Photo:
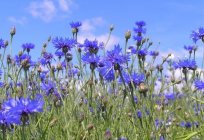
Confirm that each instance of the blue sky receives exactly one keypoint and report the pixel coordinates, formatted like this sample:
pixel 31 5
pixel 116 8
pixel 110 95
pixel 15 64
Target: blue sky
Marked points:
pixel 168 22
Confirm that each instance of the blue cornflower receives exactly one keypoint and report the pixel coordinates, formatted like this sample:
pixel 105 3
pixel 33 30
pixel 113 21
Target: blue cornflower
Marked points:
pixel 63 44
pixel 188 125
pixel 116 57
pixel 198 34
pixel 122 138
pixel 136 78
pixel 46 59
pixel 190 48
pixel 92 46
pixel 2 84
pixel 142 52
pixel 140 23
pixel 137 38
pixel 24 60
pixel 7 118
pixel 185 63
pixel 28 46
pixel 75 25
pixel 140 30
pixel 135 99
pixel 43 75
pixel 107 71
pixel 20 58
pixel 90 58
pixel 24 106
pixel 2 44
pixel 182 124
pixel 154 53
pixel 139 114
pixel 199 84
pixel 170 96
pixel 161 138
pixel 73 72
pixel 132 49
pixel 50 88
pixel 59 54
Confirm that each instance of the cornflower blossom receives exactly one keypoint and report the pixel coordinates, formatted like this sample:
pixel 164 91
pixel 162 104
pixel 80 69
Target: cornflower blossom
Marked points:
pixel 28 46
pixel 64 44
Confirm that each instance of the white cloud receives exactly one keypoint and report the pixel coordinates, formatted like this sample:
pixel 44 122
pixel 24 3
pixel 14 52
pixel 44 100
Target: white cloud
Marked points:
pixel 15 20
pixel 87 32
pixel 64 5
pixel 47 10
pixel 44 10
pixel 89 25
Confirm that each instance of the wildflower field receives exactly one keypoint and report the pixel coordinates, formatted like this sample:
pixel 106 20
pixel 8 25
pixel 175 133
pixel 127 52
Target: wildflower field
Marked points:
pixel 82 91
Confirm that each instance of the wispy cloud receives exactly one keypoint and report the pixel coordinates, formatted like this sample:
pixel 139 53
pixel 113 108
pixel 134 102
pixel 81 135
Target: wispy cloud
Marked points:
pixel 47 10
pixel 88 28
pixel 64 5
pixel 89 25
pixel 44 10
pixel 14 20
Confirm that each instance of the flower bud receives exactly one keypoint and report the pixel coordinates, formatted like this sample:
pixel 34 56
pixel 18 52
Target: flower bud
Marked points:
pixel 39 69
pixel 111 27
pixel 44 45
pixel 13 31
pixel 128 35
pixel 108 134
pixel 143 88
pixel 90 126
pixel 49 38
pixel 6 43
pixel 59 66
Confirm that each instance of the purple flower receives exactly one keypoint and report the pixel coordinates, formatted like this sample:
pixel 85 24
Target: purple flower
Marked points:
pixel 50 88
pixel 59 54
pixel 142 52
pixel 75 25
pixel 90 58
pixel 134 77
pixel 122 138
pixel 72 72
pixel 28 46
pixel 154 53
pixel 92 46
pixel 7 118
pixel 132 49
pixel 188 125
pixel 199 84
pixel 63 44
pixel 170 96
pixel 190 48
pixel 137 38
pixel 107 71
pixel 139 114
pixel 185 63
pixel 24 60
pixel 116 57
pixel 47 58
pixel 135 99
pixel 24 106
pixel 198 34
pixel 140 30
pixel 2 44
pixel 140 23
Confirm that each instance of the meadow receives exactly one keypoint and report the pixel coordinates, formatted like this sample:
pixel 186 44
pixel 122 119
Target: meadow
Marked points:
pixel 82 91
